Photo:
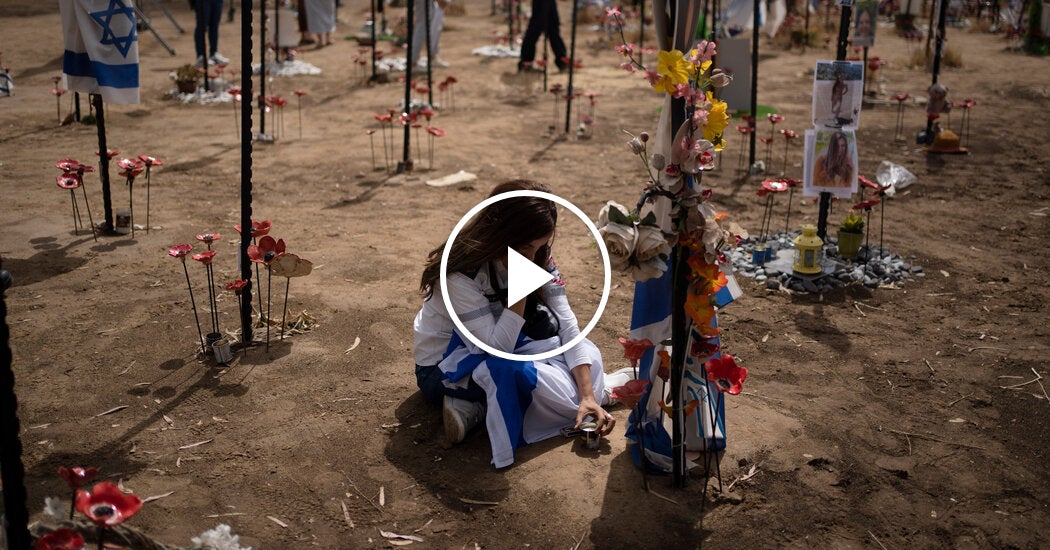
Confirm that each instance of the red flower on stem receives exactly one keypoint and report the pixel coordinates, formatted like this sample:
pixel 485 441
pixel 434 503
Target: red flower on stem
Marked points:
pixel 61 539
pixel 436 132
pixel 237 285
pixel 299 93
pixel 150 161
pixel 630 393
pixel 206 257
pixel 180 251
pixel 69 180
pixel 901 96
pixel 745 129
pixel 774 118
pixel 868 183
pixel 70 165
pixel 109 153
pixel 77 476
pixel 106 505
pixel 726 374
pixel 703 348
pixel 634 349
pixel 773 186
pixel 208 238
pixel 259 229
pixel 788 134
pixel 866 205
pixel 267 249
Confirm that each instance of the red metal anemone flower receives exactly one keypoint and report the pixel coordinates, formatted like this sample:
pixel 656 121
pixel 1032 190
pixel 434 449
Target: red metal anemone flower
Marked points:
pixel 237 285
pixel 745 129
pixel 61 539
pixel 774 118
pixel 634 349
pixel 180 251
pixel 868 183
pixel 69 165
pixel 150 161
pixel 436 132
pixel 704 348
pixel 259 229
pixel 630 393
pixel 726 374
pixel 106 505
pixel 76 477
pixel 865 205
pixel 206 256
pixel 299 93
pixel 208 238
pixel 267 249
pixel 901 96
pixel 788 134
pixel 69 180
pixel 774 186
pixel 109 153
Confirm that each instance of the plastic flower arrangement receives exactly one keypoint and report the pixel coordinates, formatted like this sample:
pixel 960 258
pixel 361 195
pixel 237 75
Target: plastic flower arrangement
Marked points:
pixel 674 227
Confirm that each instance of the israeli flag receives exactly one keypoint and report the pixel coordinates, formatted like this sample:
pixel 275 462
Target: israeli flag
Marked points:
pixel 102 53
pixel 649 431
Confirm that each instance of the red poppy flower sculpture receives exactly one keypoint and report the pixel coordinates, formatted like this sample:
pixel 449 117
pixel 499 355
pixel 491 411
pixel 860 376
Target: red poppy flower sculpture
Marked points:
pixel 866 206
pixel 206 258
pixel 634 349
pixel 106 505
pixel 61 539
pixel 71 178
pixel 768 189
pixel 726 374
pixel 131 168
pixel 180 251
pixel 264 253
pixel 208 238
pixel 259 230
pixel 149 163
pixel 432 134
pixel 76 477
pixel 630 393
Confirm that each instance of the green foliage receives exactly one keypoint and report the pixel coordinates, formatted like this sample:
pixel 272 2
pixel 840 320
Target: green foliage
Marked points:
pixel 187 73
pixel 853 223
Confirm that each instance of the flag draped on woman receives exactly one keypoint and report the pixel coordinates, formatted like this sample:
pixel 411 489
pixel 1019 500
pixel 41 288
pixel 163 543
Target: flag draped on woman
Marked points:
pixel 101 49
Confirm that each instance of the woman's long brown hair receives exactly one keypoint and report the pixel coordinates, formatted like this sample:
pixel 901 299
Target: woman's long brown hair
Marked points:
pixel 512 222
pixel 837 161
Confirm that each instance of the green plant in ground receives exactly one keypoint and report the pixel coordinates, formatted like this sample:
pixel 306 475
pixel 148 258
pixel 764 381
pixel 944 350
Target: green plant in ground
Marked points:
pixel 852 223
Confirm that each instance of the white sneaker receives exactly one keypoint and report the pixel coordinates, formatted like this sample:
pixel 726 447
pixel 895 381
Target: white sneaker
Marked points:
pixel 199 62
pixel 613 380
pixel 218 59
pixel 438 62
pixel 460 416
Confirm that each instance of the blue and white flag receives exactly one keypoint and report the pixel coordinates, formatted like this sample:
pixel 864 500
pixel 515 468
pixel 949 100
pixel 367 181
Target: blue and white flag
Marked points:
pixel 705 424
pixel 102 51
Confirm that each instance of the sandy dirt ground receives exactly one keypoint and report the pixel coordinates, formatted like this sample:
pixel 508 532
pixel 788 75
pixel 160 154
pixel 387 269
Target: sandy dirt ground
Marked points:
pixel 877 418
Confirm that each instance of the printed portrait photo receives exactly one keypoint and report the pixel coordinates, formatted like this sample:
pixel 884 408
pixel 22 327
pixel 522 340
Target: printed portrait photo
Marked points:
pixel 830 163
pixel 838 90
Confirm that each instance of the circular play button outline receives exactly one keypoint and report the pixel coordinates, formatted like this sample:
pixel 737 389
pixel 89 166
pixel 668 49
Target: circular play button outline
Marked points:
pixel 601 248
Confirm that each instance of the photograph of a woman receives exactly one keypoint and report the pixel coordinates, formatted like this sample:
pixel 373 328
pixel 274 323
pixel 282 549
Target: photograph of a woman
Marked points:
pixel 831 162
pixel 838 89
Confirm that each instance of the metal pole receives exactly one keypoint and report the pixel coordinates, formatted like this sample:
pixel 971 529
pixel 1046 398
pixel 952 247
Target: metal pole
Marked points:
pixel 938 50
pixel 679 335
pixel 12 471
pixel 572 69
pixel 840 55
pixel 374 38
pixel 754 87
pixel 246 173
pixel 262 71
pixel 428 15
pixel 103 162
pixel 406 163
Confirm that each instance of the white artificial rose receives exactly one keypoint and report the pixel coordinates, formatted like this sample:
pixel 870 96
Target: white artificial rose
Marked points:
pixel 651 243
pixel 603 214
pixel 619 241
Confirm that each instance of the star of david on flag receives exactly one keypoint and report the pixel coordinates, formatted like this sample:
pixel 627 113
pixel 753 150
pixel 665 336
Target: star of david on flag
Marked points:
pixel 101 48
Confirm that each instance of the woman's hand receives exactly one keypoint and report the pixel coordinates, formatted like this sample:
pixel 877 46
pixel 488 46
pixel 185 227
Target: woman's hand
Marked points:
pixel 590 407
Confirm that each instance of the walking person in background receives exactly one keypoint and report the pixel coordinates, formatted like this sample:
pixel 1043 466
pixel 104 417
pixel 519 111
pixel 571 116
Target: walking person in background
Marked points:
pixel 419 30
pixel 209 14
pixel 544 20
pixel 320 20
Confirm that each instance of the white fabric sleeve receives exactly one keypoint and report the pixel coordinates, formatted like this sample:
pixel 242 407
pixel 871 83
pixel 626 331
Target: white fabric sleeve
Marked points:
pixel 476 313
pixel 554 294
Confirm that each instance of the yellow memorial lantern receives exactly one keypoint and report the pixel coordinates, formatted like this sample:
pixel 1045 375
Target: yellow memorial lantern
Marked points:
pixel 809 251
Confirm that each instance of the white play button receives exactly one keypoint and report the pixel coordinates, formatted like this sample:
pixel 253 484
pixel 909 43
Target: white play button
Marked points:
pixel 523 276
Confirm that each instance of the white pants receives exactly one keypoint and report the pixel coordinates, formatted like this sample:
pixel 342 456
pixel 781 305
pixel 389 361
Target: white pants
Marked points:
pixel 419 31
